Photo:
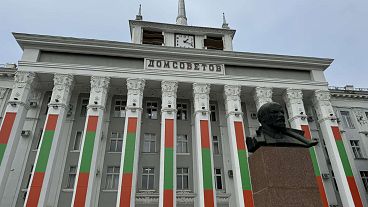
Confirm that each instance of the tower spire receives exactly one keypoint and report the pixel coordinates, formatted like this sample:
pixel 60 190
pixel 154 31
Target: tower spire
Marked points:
pixel 182 17
pixel 225 25
pixel 139 15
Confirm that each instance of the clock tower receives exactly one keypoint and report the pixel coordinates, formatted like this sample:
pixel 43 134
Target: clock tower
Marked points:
pixel 181 35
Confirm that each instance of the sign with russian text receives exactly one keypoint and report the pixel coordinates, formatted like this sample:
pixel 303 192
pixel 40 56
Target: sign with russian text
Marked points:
pixel 175 65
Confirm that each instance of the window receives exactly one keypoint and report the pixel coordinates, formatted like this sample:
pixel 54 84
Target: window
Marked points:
pixel 364 175
pixel 218 179
pixel 213 112
pixel 334 181
pixel 148 178
pixel 39 139
pixel 216 145
pixel 29 177
pixel 116 142
pixel 152 37
pixel 182 143
pixel 149 143
pixel 182 178
pixel 345 115
pixel 119 108
pixel 214 43
pixel 151 108
pixel 47 107
pixel 77 141
pixel 112 177
pixel 72 176
pixel 182 111
pixel 84 106
pixel 356 149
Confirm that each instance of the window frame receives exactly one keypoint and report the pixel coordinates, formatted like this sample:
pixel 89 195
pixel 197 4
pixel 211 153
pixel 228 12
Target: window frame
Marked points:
pixel 71 174
pixel 216 175
pixel 119 137
pixel 180 109
pixel 218 145
pixel 122 107
pixel 182 142
pixel 213 115
pixel 346 119
pixel 364 176
pixel 149 176
pixel 75 141
pixel 149 138
pixel 112 178
pixel 356 149
pixel 84 106
pixel 150 109
pixel 182 174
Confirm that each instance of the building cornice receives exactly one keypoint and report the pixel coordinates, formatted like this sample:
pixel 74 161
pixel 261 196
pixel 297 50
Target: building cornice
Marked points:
pixel 121 49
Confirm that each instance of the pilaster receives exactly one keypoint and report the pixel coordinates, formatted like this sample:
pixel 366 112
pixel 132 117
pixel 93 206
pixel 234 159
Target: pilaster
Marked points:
pixel 262 95
pixel 86 188
pixel 238 149
pixel 298 120
pixel 130 151
pixel 45 175
pixel 12 123
pixel 168 145
pixel 203 147
pixel 340 164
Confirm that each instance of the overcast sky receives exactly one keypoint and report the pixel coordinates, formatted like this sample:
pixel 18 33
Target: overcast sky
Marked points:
pixel 335 29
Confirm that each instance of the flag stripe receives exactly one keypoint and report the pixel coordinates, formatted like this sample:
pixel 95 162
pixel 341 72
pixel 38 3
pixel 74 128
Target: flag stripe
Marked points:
pixel 248 198
pixel 35 189
pixel 5 131
pixel 208 198
pixel 322 191
pixel 81 193
pixel 354 191
pixel 168 198
pixel 168 169
pixel 126 189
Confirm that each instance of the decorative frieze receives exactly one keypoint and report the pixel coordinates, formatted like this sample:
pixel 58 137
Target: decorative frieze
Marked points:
pixel 262 95
pixel 135 93
pixel 22 83
pixel 169 89
pixel 61 91
pixel 98 94
pixel 232 99
pixel 201 97
pixel 323 105
pixel 294 103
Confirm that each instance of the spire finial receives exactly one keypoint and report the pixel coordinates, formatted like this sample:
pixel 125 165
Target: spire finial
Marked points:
pixel 139 15
pixel 225 25
pixel 182 17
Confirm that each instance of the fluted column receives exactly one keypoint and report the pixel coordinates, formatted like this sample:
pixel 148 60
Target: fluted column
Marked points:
pixel 85 190
pixel 168 145
pixel 44 180
pixel 130 151
pixel 298 120
pixel 340 164
pixel 262 95
pixel 12 123
pixel 203 147
pixel 238 149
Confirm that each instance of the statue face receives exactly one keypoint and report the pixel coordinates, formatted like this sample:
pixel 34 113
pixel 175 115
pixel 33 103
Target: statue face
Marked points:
pixel 273 116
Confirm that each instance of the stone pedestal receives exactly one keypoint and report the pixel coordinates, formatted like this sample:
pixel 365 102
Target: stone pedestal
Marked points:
pixel 283 177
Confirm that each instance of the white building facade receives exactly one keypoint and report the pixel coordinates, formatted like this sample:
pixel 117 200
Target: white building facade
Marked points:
pixel 162 121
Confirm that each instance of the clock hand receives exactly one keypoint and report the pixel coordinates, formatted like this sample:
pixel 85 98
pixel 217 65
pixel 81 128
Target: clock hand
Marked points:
pixel 185 41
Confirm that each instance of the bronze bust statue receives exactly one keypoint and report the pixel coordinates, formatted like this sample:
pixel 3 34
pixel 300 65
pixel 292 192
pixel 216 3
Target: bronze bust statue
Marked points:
pixel 273 131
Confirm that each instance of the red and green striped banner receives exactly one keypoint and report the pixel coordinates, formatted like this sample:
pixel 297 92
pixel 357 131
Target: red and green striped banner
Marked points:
pixel 347 167
pixel 209 200
pixel 127 178
pixel 169 163
pixel 42 159
pixel 5 131
pixel 243 164
pixel 85 164
pixel 317 172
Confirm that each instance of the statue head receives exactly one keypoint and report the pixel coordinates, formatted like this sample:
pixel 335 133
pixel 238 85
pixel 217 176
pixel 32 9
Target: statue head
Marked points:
pixel 272 115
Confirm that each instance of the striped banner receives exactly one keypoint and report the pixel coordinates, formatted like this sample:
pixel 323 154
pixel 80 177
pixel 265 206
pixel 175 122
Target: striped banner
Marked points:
pixel 317 172
pixel 5 132
pixel 127 178
pixel 42 159
pixel 243 164
pixel 347 167
pixel 85 164
pixel 169 164
pixel 209 200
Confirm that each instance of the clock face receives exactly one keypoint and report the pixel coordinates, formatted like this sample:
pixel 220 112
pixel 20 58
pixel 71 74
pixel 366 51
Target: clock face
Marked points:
pixel 186 41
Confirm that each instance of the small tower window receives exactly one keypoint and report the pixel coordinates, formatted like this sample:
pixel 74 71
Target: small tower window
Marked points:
pixel 214 43
pixel 152 37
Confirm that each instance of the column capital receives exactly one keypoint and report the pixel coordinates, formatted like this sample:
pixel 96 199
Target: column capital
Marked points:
pixel 323 106
pixel 293 94
pixel 232 100
pixel 232 90
pixel 262 95
pixel 169 88
pixel 98 94
pixel 135 86
pixel 201 88
pixel 61 91
pixel 23 78
pixel 201 96
pixel 99 83
pixel 2 92
pixel 22 82
pixel 322 95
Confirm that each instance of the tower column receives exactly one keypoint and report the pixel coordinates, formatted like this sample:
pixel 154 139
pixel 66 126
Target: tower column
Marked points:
pixel 238 149
pixel 130 151
pixel 340 164
pixel 12 123
pixel 45 177
pixel 262 95
pixel 85 191
pixel 168 145
pixel 203 147
pixel 298 120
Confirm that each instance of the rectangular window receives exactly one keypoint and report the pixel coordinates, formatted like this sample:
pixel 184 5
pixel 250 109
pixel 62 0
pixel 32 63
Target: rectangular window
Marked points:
pixel 356 149
pixel 72 176
pixel 116 142
pixel 152 37
pixel 364 175
pixel 119 108
pixel 182 178
pixel 213 112
pixel 151 110
pixel 218 179
pixel 148 178
pixel 216 145
pixel 149 142
pixel 345 115
pixel 182 111
pixel 29 177
pixel 84 104
pixel 112 177
pixel 214 43
pixel 182 143
pixel 39 139
pixel 78 141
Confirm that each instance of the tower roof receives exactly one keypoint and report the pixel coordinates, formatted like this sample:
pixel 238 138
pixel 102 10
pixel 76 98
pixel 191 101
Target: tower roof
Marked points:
pixel 182 17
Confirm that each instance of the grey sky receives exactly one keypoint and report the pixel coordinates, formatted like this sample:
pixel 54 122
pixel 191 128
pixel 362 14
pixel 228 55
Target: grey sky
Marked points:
pixel 335 29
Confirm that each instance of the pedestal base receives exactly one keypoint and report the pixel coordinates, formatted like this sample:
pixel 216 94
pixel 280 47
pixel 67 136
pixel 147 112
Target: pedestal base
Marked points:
pixel 283 176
